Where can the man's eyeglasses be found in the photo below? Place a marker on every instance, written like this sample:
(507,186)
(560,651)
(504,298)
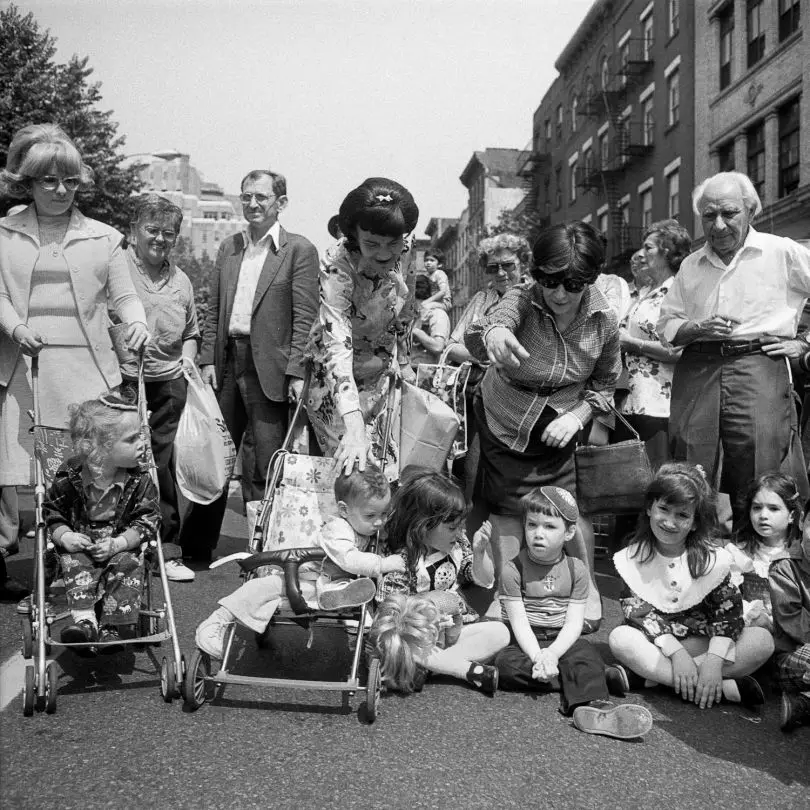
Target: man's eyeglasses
(261,199)
(170,237)
(571,285)
(50,182)
(496,267)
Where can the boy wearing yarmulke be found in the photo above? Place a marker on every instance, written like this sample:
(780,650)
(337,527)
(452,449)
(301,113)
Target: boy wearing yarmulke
(543,594)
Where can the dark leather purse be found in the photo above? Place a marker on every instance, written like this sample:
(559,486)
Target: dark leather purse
(613,478)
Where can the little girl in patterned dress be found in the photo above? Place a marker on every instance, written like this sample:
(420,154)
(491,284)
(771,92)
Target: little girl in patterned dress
(426,526)
(770,526)
(100,509)
(683,615)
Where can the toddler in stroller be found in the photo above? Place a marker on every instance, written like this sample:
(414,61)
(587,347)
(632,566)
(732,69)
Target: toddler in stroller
(363,498)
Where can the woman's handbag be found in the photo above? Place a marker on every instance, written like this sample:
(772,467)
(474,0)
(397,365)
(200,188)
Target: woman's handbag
(449,384)
(613,478)
(428,428)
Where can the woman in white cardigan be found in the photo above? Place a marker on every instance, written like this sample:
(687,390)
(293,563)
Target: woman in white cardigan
(59,274)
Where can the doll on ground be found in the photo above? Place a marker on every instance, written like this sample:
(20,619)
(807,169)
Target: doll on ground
(683,615)
(362,500)
(426,528)
(543,593)
(769,526)
(100,510)
(790,596)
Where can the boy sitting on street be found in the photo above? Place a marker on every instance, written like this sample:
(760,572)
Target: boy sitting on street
(362,505)
(543,594)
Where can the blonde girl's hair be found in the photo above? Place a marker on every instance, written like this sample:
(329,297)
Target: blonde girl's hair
(405,630)
(96,424)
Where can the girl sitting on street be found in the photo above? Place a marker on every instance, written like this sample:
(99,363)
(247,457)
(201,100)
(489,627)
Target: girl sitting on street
(426,527)
(770,526)
(683,616)
(100,509)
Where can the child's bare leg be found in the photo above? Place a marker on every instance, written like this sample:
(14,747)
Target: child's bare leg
(632,648)
(477,643)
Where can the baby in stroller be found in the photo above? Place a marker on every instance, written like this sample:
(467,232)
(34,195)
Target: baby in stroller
(363,498)
(99,510)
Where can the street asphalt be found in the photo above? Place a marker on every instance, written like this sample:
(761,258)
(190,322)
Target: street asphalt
(114,743)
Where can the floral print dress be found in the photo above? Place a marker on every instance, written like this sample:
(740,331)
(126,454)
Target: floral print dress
(649,381)
(361,329)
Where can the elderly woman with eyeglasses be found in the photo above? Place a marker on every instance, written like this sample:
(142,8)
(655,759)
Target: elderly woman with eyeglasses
(554,350)
(60,272)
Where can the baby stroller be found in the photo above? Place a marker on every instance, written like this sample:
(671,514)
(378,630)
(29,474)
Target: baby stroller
(52,446)
(298,499)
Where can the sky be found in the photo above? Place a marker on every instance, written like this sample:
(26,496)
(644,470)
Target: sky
(328,92)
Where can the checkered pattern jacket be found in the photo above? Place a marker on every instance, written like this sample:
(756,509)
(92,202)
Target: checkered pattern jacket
(582,363)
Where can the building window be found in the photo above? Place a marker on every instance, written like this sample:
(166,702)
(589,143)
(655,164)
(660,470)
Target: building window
(624,236)
(673,194)
(622,139)
(587,160)
(604,73)
(547,130)
(789,148)
(789,17)
(648,120)
(559,121)
(624,61)
(647,37)
(674,17)
(604,157)
(726,45)
(725,157)
(755,32)
(673,98)
(572,180)
(558,190)
(574,113)
(602,223)
(755,156)
(646,208)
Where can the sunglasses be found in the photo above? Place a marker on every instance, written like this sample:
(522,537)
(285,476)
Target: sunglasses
(261,199)
(569,284)
(50,182)
(496,267)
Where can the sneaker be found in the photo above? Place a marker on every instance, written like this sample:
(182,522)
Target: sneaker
(111,639)
(618,682)
(210,635)
(177,572)
(751,695)
(483,677)
(82,632)
(625,722)
(352,593)
(795,711)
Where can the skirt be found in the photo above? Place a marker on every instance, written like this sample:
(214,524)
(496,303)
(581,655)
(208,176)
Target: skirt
(506,475)
(67,375)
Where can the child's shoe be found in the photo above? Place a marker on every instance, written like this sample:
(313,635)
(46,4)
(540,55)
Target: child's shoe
(109,636)
(795,711)
(210,635)
(483,677)
(177,572)
(348,594)
(618,681)
(625,722)
(750,692)
(81,632)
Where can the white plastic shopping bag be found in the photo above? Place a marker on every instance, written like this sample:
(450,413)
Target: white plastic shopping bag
(204,451)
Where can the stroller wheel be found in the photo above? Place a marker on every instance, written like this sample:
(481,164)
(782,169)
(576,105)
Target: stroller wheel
(373,686)
(27,637)
(168,680)
(195,691)
(29,691)
(51,678)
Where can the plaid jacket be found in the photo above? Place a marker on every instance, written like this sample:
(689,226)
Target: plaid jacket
(136,515)
(581,363)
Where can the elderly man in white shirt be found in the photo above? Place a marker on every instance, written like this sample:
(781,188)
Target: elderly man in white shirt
(734,306)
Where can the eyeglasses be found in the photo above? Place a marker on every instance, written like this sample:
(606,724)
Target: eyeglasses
(569,284)
(261,199)
(496,267)
(50,182)
(170,237)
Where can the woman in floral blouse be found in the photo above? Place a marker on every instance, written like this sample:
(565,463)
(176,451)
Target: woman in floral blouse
(359,340)
(650,364)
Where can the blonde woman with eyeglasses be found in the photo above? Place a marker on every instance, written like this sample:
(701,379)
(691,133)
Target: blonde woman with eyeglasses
(59,274)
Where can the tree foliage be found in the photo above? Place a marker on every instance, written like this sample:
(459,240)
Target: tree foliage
(35,89)
(199,272)
(526,222)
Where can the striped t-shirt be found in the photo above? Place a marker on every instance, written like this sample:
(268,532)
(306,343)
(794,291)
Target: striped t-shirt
(546,589)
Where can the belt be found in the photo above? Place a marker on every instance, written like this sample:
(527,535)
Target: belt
(727,348)
(537,390)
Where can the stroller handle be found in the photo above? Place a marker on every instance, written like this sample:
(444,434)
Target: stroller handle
(289,559)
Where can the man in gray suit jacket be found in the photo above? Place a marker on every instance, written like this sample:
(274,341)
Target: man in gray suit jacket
(264,298)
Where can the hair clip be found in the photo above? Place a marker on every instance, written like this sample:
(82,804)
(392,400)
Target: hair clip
(385,198)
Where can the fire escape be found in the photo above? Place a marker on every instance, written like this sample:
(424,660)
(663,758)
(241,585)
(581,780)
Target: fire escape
(531,162)
(629,139)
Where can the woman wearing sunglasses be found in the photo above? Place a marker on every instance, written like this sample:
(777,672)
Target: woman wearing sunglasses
(554,350)
(59,274)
